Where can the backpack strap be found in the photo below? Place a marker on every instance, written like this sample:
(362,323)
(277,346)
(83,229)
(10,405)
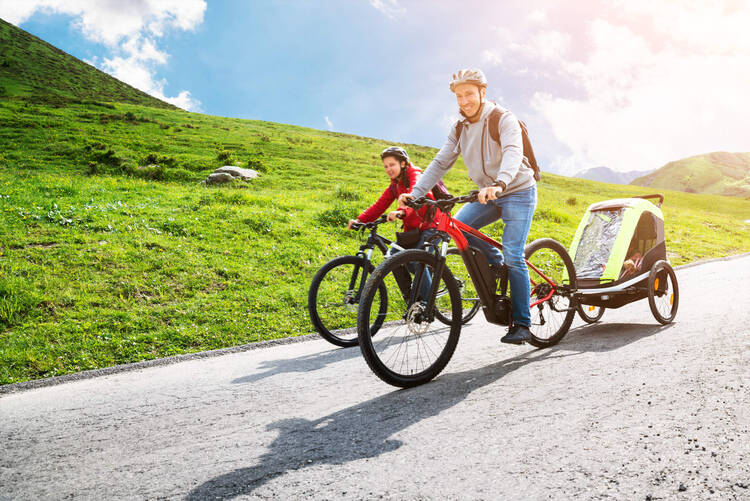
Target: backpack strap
(459,129)
(528,151)
(494,125)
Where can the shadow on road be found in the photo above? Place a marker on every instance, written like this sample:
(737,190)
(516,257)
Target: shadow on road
(358,432)
(305,363)
(363,431)
(600,337)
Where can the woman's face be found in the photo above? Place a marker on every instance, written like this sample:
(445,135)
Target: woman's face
(392,167)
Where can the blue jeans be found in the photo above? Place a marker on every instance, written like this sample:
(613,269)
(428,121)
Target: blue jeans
(424,289)
(516,211)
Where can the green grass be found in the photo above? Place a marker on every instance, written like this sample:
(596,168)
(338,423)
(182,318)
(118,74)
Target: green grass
(111,251)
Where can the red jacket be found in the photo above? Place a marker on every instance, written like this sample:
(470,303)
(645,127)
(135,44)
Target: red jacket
(412,219)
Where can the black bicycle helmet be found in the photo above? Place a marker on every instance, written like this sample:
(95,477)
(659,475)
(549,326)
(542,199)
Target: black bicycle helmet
(395,151)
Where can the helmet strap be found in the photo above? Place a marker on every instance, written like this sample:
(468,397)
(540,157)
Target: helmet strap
(476,115)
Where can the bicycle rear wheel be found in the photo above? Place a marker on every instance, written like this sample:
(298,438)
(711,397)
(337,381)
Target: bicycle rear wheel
(409,350)
(334,296)
(553,279)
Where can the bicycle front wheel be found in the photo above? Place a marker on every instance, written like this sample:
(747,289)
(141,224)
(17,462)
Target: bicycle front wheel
(334,297)
(410,349)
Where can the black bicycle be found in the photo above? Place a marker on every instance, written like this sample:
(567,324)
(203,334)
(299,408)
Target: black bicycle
(336,289)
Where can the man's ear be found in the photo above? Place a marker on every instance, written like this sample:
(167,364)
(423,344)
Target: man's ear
(482,92)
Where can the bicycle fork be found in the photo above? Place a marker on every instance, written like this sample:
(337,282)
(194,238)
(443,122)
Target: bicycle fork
(366,254)
(429,315)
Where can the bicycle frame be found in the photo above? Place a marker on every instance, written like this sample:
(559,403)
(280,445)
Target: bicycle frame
(493,305)
(385,246)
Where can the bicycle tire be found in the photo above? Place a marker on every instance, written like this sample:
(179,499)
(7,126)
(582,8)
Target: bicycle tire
(659,270)
(406,327)
(589,319)
(342,335)
(546,249)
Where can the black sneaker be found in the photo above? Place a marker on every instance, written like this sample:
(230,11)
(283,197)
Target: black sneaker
(518,334)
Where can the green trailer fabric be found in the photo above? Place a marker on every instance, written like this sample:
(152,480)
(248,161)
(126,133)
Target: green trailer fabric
(602,239)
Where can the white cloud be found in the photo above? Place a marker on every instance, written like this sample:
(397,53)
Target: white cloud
(129,28)
(646,103)
(537,16)
(390,8)
(492,57)
(328,123)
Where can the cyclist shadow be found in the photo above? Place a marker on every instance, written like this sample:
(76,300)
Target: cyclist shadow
(358,432)
(305,363)
(600,337)
(364,430)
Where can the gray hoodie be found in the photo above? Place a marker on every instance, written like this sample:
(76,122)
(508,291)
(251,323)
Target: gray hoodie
(486,162)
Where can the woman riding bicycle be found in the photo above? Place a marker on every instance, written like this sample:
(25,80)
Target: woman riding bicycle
(403,175)
(417,227)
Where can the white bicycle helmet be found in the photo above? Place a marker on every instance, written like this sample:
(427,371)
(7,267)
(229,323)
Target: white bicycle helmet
(468,75)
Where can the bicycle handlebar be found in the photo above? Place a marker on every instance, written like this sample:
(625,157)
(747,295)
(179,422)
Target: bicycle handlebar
(370,225)
(445,204)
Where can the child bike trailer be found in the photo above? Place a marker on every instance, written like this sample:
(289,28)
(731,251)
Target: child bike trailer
(620,256)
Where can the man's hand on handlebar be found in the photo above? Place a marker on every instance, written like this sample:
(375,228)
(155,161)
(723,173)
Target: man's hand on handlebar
(404,197)
(488,193)
(352,222)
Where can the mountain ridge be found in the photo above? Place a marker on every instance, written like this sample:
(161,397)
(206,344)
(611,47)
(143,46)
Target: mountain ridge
(606,175)
(716,173)
(33,69)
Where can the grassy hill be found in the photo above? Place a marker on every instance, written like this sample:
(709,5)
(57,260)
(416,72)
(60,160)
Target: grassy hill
(111,252)
(41,73)
(718,173)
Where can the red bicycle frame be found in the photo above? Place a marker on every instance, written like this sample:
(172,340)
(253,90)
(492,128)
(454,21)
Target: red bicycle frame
(476,264)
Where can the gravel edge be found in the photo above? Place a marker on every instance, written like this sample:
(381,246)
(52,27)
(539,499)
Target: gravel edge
(115,369)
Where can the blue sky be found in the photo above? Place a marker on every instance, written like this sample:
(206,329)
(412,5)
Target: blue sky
(599,83)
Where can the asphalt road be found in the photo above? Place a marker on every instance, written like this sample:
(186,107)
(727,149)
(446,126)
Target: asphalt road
(625,409)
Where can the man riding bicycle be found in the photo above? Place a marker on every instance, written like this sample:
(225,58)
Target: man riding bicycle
(506,182)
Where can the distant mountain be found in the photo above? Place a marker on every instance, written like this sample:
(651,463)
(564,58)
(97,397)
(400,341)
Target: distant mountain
(33,70)
(607,175)
(718,173)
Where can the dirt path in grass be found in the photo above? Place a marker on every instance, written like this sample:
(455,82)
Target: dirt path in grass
(626,409)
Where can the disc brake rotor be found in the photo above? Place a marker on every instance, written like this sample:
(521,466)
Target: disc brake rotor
(414,321)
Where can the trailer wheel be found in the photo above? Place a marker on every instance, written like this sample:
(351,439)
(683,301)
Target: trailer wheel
(590,314)
(663,292)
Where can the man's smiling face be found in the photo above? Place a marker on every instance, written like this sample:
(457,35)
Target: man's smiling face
(469,98)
